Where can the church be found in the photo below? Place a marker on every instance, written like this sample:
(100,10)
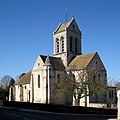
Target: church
(39,84)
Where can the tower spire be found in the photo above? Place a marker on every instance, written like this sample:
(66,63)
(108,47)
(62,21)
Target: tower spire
(66,14)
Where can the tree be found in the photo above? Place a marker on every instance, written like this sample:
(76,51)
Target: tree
(81,83)
(117,85)
(114,83)
(5,83)
(21,75)
(66,84)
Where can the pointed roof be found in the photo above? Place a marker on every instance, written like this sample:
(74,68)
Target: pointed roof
(47,61)
(25,79)
(81,61)
(56,63)
(64,26)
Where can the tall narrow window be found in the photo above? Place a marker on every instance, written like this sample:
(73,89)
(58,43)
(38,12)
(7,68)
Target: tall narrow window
(62,45)
(38,81)
(62,40)
(57,45)
(71,47)
(76,42)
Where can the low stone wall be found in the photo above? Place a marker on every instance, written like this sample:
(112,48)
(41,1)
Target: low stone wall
(61,108)
(102,105)
(98,105)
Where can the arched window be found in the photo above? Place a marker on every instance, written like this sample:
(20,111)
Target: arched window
(71,44)
(57,45)
(76,42)
(38,81)
(62,40)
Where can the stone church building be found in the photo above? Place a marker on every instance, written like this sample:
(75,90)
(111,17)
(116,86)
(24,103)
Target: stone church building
(38,85)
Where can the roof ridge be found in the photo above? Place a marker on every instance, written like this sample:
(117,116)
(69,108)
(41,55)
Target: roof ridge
(68,22)
(18,81)
(43,55)
(63,26)
(82,61)
(93,54)
(57,28)
(87,54)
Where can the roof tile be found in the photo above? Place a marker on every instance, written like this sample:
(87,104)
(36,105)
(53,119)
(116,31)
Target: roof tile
(25,79)
(81,61)
(56,63)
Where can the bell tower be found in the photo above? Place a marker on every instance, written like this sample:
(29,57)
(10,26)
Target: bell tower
(67,41)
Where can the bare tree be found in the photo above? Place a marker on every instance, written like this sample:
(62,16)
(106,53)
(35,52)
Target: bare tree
(117,85)
(66,84)
(81,83)
(7,81)
(5,84)
(114,83)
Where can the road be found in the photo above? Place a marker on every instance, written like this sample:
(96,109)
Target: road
(26,114)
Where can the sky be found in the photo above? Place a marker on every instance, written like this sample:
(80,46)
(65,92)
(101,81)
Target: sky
(26,28)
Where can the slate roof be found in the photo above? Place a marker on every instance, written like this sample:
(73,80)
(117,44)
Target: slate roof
(81,61)
(56,63)
(63,26)
(25,79)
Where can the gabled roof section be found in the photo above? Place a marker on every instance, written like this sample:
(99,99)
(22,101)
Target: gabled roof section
(47,61)
(80,62)
(61,27)
(56,63)
(25,79)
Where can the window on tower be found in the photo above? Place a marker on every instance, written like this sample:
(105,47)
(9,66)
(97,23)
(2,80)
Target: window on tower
(62,39)
(57,45)
(71,45)
(76,42)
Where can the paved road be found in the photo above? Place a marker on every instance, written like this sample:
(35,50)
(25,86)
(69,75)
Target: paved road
(26,114)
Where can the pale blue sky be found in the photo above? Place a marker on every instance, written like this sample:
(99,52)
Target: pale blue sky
(26,28)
